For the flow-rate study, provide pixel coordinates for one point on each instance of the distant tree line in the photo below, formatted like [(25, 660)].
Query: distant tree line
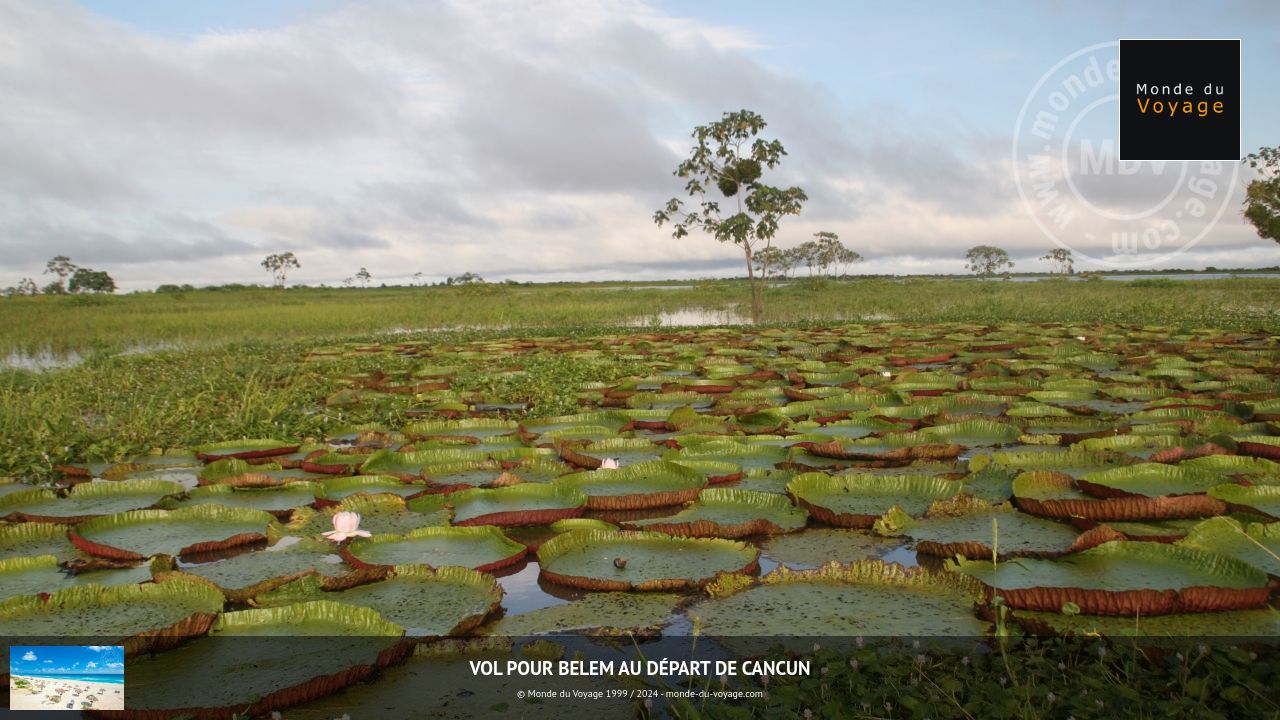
[(69, 278)]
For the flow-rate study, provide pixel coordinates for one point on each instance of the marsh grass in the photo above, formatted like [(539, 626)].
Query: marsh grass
[(32, 325)]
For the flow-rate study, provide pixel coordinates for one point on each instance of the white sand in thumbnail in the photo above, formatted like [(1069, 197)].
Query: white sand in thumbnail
[(39, 693)]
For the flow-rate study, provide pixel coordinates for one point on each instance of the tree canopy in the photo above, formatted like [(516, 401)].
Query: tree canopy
[(987, 260), (729, 156), (1262, 196)]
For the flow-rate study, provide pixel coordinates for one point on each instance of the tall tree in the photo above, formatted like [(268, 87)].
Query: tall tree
[(771, 258), (987, 260), (62, 267), (1060, 260), (279, 265), (94, 281), (364, 277), (1262, 196), (729, 156)]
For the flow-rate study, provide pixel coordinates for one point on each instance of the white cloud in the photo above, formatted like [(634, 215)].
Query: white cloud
[(530, 141), (29, 656), (101, 648), (114, 665)]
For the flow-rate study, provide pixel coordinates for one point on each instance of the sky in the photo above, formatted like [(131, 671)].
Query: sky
[(182, 142), (66, 659)]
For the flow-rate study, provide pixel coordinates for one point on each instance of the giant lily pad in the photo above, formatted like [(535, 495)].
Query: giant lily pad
[(146, 615), (1056, 495), (857, 500), (1148, 480), (244, 575), (86, 500), (729, 513), (636, 487), (379, 514), (244, 449), (972, 529), (1125, 578), (617, 560), (31, 538), (279, 500), (482, 548), (819, 546), (425, 601), (1255, 543), (340, 487), (604, 613), (523, 504), (331, 646), (1263, 499), (865, 598), (138, 534), (41, 574)]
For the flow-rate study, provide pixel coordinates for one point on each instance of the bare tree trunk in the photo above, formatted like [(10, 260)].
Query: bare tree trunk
[(757, 302)]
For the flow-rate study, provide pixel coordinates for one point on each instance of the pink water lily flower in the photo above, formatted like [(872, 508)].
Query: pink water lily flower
[(609, 464), (346, 525)]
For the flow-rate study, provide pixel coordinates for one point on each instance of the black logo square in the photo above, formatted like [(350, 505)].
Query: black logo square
[(1180, 100)]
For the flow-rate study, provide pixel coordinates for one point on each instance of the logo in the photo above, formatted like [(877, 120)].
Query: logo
[(1066, 163)]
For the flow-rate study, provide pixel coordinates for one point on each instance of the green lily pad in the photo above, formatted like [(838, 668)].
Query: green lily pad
[(1255, 543), (729, 513), (243, 449), (636, 487), (273, 499), (523, 504), (605, 613), (332, 645), (973, 531), (88, 499), (116, 612), (974, 433), (857, 500), (819, 546), (31, 575), (31, 538), (380, 514), (603, 560), (869, 598), (138, 534), (1264, 499), (338, 488), (482, 548), (1125, 578), (1149, 480), (244, 575), (425, 601)]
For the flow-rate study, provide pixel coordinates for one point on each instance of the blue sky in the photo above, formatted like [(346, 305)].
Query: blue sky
[(66, 659), (183, 141)]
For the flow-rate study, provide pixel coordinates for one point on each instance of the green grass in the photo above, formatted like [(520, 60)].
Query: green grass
[(59, 325)]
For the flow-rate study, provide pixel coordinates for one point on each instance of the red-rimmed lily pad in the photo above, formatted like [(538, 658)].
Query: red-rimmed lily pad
[(858, 500), (139, 534), (648, 561), (483, 548), (1261, 499), (522, 504), (972, 529), (425, 601), (636, 487), (1125, 578), (141, 617), (729, 513), (1056, 495), (244, 575), (868, 598), (1255, 543), (279, 500), (86, 500), (244, 449), (340, 487), (331, 646), (1148, 480), (31, 538)]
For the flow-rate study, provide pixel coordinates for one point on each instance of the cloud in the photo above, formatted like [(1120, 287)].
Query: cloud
[(101, 648), (90, 665), (48, 662), (510, 139), (29, 656), (114, 665)]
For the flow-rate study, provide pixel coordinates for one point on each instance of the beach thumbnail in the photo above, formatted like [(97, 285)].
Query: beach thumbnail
[(66, 677)]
